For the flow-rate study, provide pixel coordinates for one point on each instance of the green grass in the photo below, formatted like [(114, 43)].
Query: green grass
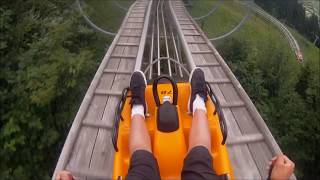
[(224, 19), (106, 15)]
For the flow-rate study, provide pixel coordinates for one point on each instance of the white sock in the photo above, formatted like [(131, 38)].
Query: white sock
[(137, 110), (198, 103)]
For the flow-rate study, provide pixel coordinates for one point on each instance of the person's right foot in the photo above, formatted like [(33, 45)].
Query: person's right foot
[(138, 85), (198, 86)]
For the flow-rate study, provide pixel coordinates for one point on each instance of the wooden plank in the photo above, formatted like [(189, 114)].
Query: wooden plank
[(183, 19), (134, 24), (85, 143), (117, 71), (85, 173), (185, 23), (232, 104), (192, 28), (136, 32), (208, 64), (259, 151), (219, 81), (124, 56), (201, 52), (230, 93), (196, 42), (131, 35), (192, 34), (102, 155), (108, 92), (132, 28), (245, 139), (243, 164), (189, 31), (97, 125)]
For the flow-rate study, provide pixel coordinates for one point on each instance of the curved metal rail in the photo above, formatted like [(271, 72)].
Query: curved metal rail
[(292, 41), (94, 26), (120, 6), (214, 8), (241, 23)]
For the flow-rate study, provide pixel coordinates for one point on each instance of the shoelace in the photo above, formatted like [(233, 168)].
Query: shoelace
[(201, 90), (136, 96)]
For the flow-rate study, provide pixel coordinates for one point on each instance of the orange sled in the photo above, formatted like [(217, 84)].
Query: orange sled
[(169, 137)]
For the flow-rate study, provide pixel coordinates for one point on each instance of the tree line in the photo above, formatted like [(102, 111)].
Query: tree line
[(286, 95)]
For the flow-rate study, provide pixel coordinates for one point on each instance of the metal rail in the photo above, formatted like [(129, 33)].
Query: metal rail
[(182, 39), (94, 26), (177, 54), (158, 37), (292, 41), (143, 40), (214, 8), (236, 28), (124, 9), (166, 38), (151, 52)]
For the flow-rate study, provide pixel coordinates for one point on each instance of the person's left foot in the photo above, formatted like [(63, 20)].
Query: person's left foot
[(138, 85)]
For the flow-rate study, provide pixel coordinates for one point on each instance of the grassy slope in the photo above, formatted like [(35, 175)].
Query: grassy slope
[(255, 30), (106, 15), (225, 23)]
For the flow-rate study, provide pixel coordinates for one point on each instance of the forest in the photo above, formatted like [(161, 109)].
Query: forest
[(49, 56), (286, 96), (286, 93)]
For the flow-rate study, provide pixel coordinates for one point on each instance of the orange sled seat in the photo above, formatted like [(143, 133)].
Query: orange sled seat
[(169, 139)]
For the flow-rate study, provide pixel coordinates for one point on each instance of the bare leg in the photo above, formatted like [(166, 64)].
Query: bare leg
[(200, 132), (139, 136)]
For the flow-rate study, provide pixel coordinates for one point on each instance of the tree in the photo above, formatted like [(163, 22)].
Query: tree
[(45, 57), (286, 96)]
